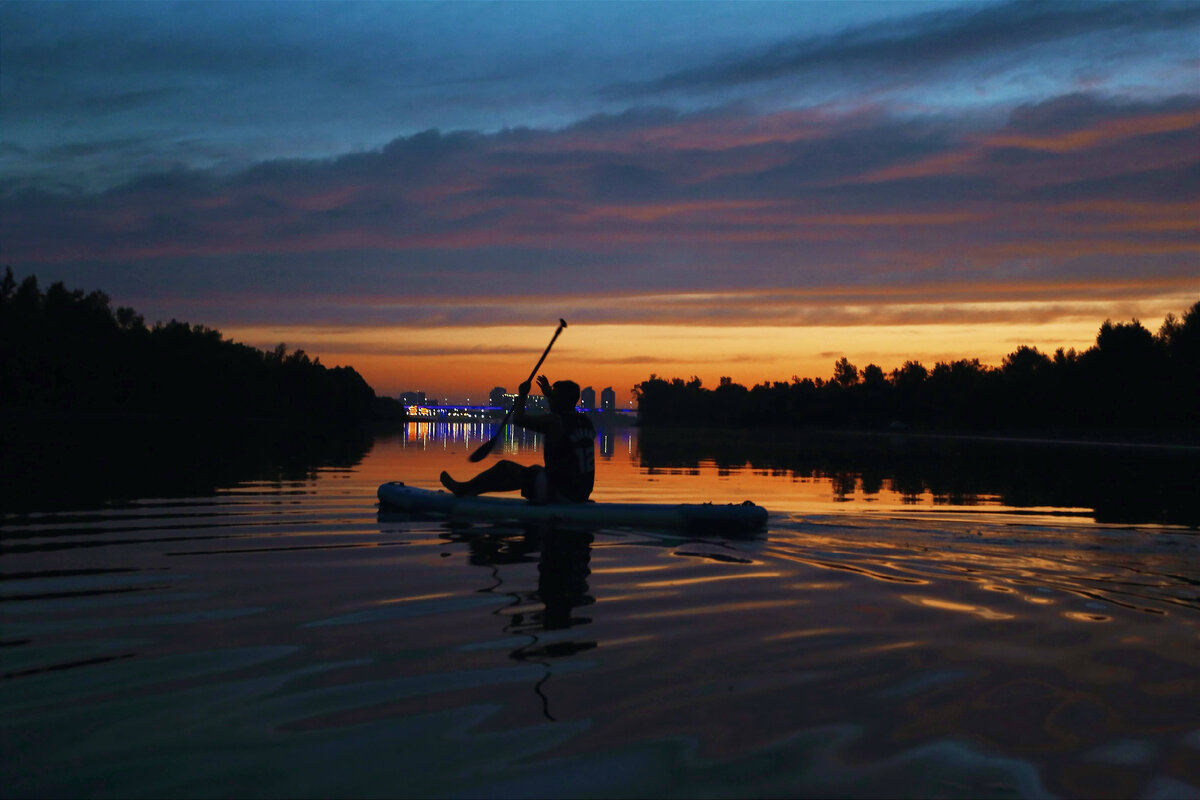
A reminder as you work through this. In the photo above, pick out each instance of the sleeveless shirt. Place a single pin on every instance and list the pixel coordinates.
(571, 458)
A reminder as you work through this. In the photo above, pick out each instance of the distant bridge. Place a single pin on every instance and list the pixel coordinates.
(465, 413)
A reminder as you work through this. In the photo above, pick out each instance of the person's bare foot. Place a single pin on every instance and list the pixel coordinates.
(457, 489)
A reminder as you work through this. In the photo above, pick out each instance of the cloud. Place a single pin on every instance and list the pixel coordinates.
(1081, 110)
(220, 86)
(927, 42)
(425, 352)
(705, 218)
(648, 361)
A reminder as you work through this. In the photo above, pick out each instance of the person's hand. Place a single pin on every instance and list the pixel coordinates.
(523, 389)
(544, 385)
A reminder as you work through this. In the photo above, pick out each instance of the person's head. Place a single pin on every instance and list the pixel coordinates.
(564, 396)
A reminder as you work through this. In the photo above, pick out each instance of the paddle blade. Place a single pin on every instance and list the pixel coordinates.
(482, 452)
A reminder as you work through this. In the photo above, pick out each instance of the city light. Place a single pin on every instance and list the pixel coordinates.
(500, 401)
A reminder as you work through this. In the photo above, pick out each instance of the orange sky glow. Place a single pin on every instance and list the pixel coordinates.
(461, 363)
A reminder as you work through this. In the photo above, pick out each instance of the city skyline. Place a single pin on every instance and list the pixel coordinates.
(489, 399)
(751, 190)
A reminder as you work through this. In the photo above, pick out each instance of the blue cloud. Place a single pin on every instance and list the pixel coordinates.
(932, 41)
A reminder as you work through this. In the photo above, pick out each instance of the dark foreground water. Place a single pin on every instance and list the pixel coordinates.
(921, 618)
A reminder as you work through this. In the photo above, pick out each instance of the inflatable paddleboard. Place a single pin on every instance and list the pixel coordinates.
(745, 516)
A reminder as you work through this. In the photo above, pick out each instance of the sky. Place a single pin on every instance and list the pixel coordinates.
(421, 190)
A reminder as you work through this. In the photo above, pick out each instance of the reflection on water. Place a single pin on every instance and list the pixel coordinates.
(77, 461)
(1117, 483)
(562, 558)
(280, 636)
(514, 441)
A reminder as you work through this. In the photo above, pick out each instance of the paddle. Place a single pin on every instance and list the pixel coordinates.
(486, 447)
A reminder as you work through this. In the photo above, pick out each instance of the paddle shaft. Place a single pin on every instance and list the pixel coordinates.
(487, 446)
(561, 324)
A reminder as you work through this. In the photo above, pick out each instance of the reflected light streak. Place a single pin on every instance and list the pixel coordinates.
(636, 597)
(611, 643)
(883, 648)
(627, 570)
(807, 633)
(946, 605)
(707, 579)
(413, 599)
(725, 608)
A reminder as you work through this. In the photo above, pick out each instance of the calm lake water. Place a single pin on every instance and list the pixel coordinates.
(205, 615)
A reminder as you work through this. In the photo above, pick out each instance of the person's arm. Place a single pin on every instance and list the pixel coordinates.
(519, 404)
(542, 423)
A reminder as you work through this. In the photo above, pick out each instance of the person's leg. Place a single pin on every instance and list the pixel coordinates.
(503, 476)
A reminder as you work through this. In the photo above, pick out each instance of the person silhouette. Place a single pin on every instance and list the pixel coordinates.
(569, 453)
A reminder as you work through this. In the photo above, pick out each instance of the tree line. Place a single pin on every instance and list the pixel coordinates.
(1129, 380)
(66, 350)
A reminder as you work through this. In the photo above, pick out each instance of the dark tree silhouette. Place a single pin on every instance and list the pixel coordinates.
(845, 374)
(69, 351)
(1131, 380)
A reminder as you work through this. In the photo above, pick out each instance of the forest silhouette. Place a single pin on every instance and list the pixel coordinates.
(67, 351)
(1130, 381)
(64, 350)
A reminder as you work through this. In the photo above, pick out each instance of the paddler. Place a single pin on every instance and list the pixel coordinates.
(568, 449)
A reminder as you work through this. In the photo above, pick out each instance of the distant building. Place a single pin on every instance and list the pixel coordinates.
(414, 399)
(535, 402)
(587, 399)
(608, 399)
(496, 397)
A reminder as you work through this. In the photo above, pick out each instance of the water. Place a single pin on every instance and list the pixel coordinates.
(921, 618)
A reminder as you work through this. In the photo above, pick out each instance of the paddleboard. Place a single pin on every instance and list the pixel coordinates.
(743, 516)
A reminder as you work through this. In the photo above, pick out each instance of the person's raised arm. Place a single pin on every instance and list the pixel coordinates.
(519, 403)
(542, 423)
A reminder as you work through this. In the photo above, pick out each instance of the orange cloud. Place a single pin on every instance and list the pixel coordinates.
(1106, 132)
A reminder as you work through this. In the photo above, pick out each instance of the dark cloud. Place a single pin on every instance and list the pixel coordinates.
(636, 117)
(227, 85)
(928, 42)
(1170, 185)
(843, 152)
(411, 154)
(178, 38)
(472, 228)
(519, 186)
(625, 181)
(90, 148)
(1082, 110)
